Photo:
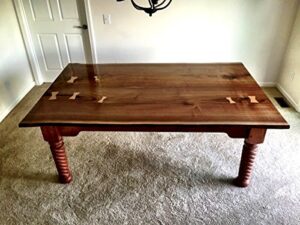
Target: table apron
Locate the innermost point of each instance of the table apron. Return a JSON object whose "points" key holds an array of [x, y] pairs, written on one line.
{"points": [[231, 131]]}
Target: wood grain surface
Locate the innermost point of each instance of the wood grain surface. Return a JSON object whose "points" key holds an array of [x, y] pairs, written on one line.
{"points": [[155, 94]]}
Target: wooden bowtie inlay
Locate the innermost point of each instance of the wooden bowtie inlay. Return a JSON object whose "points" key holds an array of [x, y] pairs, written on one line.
{"points": [[75, 94], [53, 95], [253, 99], [230, 100], [72, 79], [102, 99]]}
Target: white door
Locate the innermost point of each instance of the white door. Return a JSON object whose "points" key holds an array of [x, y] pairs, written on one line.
{"points": [[59, 34]]}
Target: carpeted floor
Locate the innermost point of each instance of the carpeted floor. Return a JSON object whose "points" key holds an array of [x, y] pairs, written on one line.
{"points": [[147, 178]]}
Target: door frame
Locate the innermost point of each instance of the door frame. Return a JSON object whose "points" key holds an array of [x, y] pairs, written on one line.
{"points": [[91, 31], [28, 42], [27, 39]]}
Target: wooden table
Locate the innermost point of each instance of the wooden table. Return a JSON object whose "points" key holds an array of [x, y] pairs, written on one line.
{"points": [[155, 97]]}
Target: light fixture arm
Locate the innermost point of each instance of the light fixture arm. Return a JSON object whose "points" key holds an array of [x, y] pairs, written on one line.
{"points": [[163, 2], [154, 6]]}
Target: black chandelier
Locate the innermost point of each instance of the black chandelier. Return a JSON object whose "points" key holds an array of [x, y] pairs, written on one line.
{"points": [[155, 5]]}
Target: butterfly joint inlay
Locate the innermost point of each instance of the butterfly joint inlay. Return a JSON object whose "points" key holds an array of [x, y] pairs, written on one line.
{"points": [[230, 100], [53, 95], [253, 99], [102, 99], [72, 79], [75, 94]]}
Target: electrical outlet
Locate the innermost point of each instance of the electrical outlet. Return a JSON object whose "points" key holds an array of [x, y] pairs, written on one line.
{"points": [[106, 18]]}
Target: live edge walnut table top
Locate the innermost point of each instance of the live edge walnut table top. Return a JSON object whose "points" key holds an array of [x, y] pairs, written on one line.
{"points": [[155, 97]]}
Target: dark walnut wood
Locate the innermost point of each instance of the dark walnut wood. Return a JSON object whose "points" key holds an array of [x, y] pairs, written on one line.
{"points": [[156, 97]]}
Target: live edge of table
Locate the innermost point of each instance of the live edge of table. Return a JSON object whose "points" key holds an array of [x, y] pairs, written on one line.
{"points": [[155, 97]]}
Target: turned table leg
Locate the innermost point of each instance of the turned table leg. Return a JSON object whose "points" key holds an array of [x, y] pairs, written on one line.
{"points": [[246, 166], [52, 136], [256, 136]]}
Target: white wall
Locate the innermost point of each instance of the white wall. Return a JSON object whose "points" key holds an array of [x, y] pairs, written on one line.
{"points": [[289, 80], [252, 31], [15, 74]]}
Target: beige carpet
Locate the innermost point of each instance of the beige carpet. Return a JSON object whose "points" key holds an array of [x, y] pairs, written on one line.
{"points": [[147, 178]]}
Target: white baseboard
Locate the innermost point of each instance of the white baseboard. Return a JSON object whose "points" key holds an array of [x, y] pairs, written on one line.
{"points": [[288, 97], [16, 101], [267, 84]]}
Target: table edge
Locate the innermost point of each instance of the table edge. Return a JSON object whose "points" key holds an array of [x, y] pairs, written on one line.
{"points": [[176, 126]]}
